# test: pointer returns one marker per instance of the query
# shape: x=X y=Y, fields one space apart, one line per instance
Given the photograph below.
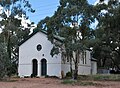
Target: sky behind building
x=45 y=8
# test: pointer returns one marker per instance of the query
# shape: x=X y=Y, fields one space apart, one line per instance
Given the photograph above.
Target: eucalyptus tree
x=12 y=30
x=108 y=33
x=71 y=23
x=4 y=61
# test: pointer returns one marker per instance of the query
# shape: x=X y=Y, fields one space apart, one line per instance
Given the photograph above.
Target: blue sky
x=45 y=8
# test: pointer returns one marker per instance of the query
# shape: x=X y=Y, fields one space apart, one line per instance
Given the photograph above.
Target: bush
x=68 y=74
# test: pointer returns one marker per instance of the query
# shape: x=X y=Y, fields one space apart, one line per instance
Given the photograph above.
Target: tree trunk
x=103 y=62
x=9 y=48
x=71 y=70
x=76 y=65
x=76 y=71
x=115 y=64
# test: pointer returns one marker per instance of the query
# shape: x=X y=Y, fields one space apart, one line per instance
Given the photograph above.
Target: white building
x=35 y=59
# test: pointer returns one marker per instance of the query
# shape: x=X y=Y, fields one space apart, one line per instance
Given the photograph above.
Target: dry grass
x=56 y=83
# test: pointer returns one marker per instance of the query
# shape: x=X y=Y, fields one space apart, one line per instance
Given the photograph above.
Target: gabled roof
x=42 y=31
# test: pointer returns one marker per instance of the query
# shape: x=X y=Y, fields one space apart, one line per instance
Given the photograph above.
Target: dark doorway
x=34 y=68
x=43 y=67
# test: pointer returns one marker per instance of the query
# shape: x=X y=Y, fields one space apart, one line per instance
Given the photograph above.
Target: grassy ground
x=99 y=77
x=83 y=80
x=91 y=79
x=79 y=82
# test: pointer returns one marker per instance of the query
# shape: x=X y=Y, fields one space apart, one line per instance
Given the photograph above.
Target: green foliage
x=54 y=51
x=106 y=46
x=68 y=74
x=4 y=61
x=12 y=32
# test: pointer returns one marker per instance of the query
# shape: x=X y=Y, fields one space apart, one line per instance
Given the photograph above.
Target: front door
x=43 y=67
x=35 y=67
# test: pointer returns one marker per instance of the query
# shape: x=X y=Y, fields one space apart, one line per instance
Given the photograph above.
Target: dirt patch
x=53 y=83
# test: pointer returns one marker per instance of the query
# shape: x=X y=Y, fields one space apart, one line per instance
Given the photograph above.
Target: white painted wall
x=93 y=67
x=83 y=69
x=28 y=52
x=65 y=68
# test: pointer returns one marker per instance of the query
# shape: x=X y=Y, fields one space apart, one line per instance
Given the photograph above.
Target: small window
x=84 y=57
x=39 y=47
